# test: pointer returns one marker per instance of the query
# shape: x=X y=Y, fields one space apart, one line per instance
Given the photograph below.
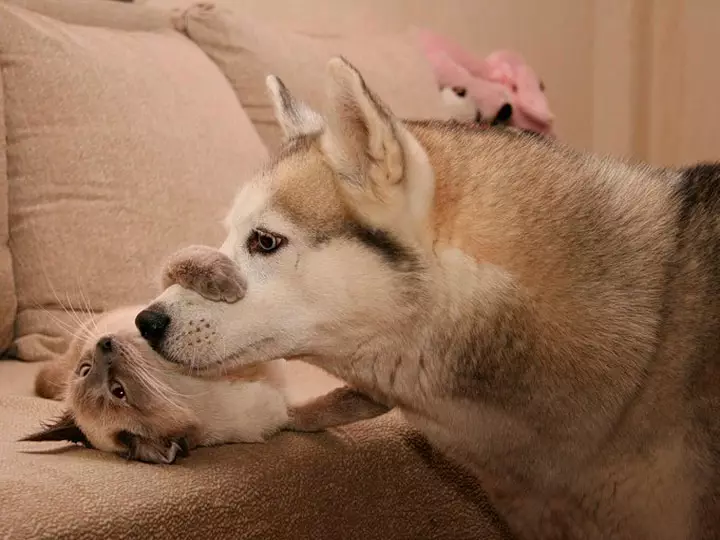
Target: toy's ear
x=63 y=428
x=294 y=117
x=447 y=72
x=163 y=451
x=503 y=115
x=433 y=43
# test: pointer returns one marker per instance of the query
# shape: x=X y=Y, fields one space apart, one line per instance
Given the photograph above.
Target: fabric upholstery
x=247 y=50
x=8 y=299
x=522 y=25
x=121 y=148
x=373 y=480
x=103 y=13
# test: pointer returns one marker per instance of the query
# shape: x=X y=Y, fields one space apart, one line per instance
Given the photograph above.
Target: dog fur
x=549 y=318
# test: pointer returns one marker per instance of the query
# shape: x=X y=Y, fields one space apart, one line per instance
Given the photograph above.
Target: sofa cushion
x=8 y=299
x=247 y=50
x=121 y=148
x=104 y=13
x=376 y=479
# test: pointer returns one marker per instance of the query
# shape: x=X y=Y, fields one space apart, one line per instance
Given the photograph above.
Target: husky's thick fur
x=549 y=318
x=120 y=396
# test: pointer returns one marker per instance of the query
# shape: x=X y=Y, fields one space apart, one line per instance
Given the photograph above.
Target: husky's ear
x=380 y=159
x=294 y=117
x=61 y=429
x=361 y=138
x=161 y=451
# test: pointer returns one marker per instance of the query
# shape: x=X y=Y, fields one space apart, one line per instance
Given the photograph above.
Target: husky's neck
x=414 y=362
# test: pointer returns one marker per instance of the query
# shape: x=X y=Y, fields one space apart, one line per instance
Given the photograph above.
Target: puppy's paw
x=161 y=451
x=206 y=271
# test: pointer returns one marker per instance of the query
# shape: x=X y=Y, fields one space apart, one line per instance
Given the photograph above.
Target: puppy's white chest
x=240 y=411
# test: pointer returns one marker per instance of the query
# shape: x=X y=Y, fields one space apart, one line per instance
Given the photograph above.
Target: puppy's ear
x=60 y=429
x=162 y=451
x=294 y=117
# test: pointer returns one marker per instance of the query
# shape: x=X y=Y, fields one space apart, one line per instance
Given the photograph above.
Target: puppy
x=121 y=396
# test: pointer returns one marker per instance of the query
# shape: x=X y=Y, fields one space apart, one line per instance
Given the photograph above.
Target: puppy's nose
x=104 y=358
x=152 y=325
x=105 y=344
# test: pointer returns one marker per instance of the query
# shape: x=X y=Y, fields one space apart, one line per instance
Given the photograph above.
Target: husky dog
x=123 y=397
x=548 y=318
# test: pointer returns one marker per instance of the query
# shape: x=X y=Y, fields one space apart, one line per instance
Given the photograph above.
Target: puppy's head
x=327 y=244
x=119 y=396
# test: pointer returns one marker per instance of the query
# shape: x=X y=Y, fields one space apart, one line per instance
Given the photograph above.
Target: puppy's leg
x=51 y=380
x=341 y=406
x=206 y=271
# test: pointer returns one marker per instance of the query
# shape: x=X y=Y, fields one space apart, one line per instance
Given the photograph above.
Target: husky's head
x=328 y=245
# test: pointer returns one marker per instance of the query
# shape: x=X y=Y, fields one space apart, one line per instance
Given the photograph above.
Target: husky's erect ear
x=294 y=117
x=361 y=135
x=379 y=158
x=162 y=451
x=61 y=429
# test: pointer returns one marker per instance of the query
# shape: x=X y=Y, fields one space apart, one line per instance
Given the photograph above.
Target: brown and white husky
x=550 y=319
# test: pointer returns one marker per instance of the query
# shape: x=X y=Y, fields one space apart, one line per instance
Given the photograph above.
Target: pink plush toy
x=501 y=88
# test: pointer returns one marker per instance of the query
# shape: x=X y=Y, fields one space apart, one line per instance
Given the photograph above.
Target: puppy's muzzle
x=152 y=325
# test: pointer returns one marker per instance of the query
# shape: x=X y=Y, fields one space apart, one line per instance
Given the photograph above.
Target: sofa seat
x=375 y=479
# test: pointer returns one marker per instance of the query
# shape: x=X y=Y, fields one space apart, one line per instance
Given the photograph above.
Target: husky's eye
x=83 y=370
x=117 y=390
x=263 y=242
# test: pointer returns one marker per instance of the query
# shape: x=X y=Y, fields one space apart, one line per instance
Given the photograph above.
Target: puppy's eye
x=83 y=370
x=263 y=242
x=117 y=390
x=542 y=86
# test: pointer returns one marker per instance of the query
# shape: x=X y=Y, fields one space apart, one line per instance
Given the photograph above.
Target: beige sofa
x=125 y=130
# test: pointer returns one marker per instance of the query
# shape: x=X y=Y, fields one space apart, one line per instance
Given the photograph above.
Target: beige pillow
x=8 y=300
x=247 y=51
x=105 y=13
x=121 y=148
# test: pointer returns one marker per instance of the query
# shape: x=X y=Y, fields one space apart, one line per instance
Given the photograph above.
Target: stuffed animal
x=499 y=89
x=467 y=97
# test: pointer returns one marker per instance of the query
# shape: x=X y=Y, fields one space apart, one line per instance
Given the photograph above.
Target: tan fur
x=52 y=377
x=548 y=318
x=341 y=406
x=204 y=269
x=162 y=405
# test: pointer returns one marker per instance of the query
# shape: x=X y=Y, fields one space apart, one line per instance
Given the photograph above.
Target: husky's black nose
x=152 y=325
